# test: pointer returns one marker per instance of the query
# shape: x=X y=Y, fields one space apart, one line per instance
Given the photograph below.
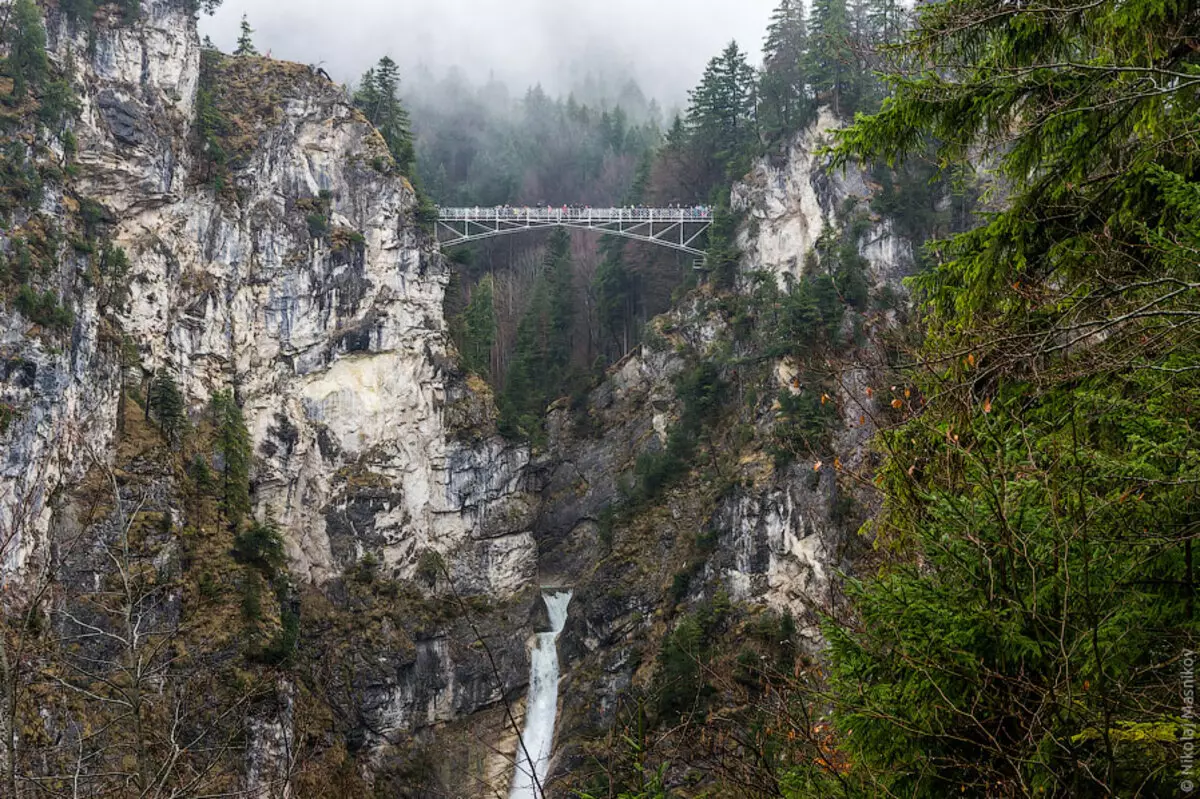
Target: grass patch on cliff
x=239 y=99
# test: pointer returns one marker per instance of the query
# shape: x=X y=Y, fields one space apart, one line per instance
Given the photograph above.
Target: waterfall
x=541 y=705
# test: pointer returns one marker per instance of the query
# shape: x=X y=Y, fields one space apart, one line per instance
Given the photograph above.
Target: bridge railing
x=576 y=215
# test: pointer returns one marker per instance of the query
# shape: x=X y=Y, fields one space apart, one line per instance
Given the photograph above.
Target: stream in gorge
x=541 y=705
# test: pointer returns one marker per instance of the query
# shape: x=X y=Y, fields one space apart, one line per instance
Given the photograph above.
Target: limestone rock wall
x=334 y=345
x=337 y=352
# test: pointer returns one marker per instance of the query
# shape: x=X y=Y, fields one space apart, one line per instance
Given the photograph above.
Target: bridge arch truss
x=677 y=228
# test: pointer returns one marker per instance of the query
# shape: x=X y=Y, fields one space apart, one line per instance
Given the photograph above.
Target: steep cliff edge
x=267 y=247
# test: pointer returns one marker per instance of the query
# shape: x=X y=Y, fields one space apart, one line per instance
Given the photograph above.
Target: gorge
x=883 y=485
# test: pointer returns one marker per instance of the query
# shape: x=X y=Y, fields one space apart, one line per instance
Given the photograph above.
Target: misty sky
x=664 y=43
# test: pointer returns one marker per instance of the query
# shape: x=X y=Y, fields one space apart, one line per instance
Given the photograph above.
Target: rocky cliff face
x=336 y=348
x=300 y=280
x=293 y=272
x=743 y=529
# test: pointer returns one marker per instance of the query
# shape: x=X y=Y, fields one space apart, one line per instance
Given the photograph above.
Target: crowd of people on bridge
x=674 y=211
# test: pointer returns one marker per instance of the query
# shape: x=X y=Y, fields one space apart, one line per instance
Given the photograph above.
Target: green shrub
x=43 y=308
x=7 y=414
x=430 y=566
x=367 y=568
x=283 y=645
x=318 y=225
x=680 y=584
x=201 y=476
x=261 y=547
x=803 y=425
x=165 y=402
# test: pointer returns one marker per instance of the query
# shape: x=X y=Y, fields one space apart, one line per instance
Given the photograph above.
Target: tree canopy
x=245 y=42
x=378 y=96
x=1025 y=639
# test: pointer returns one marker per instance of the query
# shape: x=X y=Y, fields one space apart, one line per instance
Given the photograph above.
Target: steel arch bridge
x=677 y=228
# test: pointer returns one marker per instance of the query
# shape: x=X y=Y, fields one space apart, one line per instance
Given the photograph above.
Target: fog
x=664 y=44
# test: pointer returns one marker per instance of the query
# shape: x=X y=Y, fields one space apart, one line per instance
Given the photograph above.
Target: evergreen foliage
x=165 y=403
x=620 y=291
x=378 y=98
x=113 y=271
x=43 y=308
x=479 y=329
x=245 y=42
x=723 y=256
x=833 y=63
x=702 y=390
x=542 y=356
x=26 y=62
x=785 y=100
x=232 y=441
x=722 y=117
x=1025 y=638
x=479 y=146
x=211 y=126
x=260 y=546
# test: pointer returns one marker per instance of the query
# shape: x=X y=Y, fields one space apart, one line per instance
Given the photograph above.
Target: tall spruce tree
x=166 y=403
x=721 y=114
x=378 y=97
x=479 y=328
x=785 y=102
x=833 y=63
x=233 y=445
x=245 y=42
x=886 y=20
x=1027 y=636
x=26 y=62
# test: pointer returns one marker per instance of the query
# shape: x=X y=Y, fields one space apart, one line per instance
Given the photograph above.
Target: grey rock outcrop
x=337 y=353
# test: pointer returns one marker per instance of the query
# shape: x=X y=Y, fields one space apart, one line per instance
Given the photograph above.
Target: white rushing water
x=541 y=706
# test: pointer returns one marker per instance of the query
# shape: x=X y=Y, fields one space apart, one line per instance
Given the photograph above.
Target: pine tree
x=245 y=42
x=677 y=134
x=378 y=97
x=233 y=445
x=479 y=329
x=722 y=256
x=833 y=64
x=561 y=277
x=1025 y=637
x=721 y=115
x=866 y=41
x=166 y=403
x=785 y=102
x=26 y=63
x=523 y=400
x=886 y=20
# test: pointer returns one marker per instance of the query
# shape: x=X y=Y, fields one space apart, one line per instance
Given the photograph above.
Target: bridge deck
x=577 y=215
x=677 y=228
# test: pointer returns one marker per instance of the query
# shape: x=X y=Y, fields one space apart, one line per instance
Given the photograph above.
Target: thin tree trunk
x=10 y=720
